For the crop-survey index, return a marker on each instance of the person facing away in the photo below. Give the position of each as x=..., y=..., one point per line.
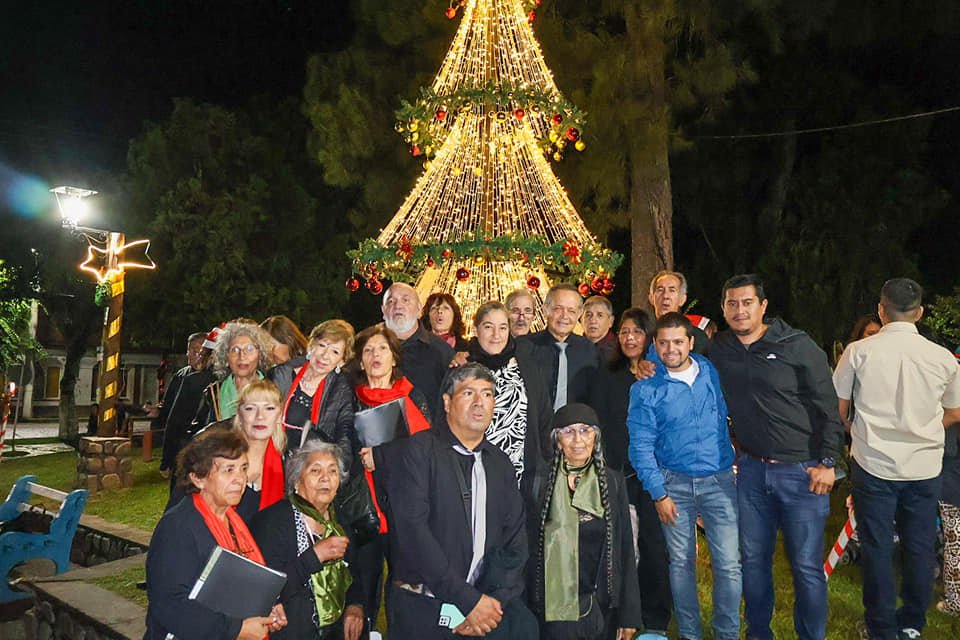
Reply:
x=680, y=447
x=782, y=406
x=459, y=544
x=906, y=390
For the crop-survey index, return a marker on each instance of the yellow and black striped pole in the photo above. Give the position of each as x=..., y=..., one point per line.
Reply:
x=109, y=380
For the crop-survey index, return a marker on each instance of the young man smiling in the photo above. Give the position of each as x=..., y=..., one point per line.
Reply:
x=680, y=447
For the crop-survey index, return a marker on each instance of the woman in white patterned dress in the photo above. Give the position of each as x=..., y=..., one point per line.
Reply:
x=522, y=414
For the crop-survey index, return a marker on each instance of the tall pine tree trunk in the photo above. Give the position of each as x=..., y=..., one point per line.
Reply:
x=651, y=202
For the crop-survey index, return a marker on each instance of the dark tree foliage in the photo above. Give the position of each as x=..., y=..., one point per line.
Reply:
x=237, y=229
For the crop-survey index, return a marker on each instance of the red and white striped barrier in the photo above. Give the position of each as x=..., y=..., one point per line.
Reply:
x=842, y=540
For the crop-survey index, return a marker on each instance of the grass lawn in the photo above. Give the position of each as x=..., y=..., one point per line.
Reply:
x=142, y=505
x=125, y=584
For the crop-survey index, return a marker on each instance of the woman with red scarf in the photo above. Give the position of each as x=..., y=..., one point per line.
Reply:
x=258, y=421
x=378, y=350
x=318, y=394
x=212, y=470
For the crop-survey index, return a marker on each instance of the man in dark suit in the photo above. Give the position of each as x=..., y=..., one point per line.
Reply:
x=459, y=544
x=570, y=361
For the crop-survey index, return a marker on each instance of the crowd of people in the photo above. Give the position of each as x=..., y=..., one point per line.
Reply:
x=550, y=484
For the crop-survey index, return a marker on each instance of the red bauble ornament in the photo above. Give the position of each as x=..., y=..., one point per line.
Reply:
x=518, y=113
x=607, y=286
x=533, y=282
x=463, y=274
x=596, y=284
x=352, y=284
x=462, y=3
x=451, y=13
x=441, y=114
x=446, y=253
x=573, y=134
x=531, y=16
x=375, y=287
x=557, y=119
x=584, y=289
x=430, y=263
x=537, y=2
x=415, y=150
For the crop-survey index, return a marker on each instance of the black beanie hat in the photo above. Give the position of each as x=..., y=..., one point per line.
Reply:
x=575, y=413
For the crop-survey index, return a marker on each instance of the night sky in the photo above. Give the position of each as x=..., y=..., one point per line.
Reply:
x=80, y=78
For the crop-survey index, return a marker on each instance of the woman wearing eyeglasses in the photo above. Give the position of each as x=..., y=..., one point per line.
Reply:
x=240, y=356
x=611, y=398
x=584, y=586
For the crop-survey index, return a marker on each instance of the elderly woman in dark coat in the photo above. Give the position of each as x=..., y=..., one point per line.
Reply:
x=301, y=536
x=585, y=587
x=212, y=470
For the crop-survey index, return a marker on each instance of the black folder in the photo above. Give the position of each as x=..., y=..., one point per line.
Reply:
x=236, y=586
x=380, y=424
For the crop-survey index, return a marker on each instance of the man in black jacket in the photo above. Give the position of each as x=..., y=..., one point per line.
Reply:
x=569, y=361
x=175, y=427
x=783, y=408
x=459, y=545
x=425, y=356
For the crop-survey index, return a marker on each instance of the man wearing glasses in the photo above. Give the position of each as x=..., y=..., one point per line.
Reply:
x=521, y=306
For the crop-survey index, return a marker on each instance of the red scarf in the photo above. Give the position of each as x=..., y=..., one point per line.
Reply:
x=416, y=422
x=314, y=402
x=271, y=479
x=240, y=542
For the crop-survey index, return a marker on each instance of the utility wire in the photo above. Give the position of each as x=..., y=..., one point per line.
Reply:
x=839, y=127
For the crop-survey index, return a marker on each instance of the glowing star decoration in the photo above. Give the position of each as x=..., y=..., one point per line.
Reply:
x=97, y=262
x=493, y=117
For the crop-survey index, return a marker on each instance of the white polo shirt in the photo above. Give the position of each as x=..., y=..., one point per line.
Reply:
x=899, y=383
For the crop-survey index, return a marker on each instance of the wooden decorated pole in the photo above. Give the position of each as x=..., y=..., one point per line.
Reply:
x=109, y=382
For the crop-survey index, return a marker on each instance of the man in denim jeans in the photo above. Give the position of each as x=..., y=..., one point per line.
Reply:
x=783, y=409
x=905, y=390
x=680, y=448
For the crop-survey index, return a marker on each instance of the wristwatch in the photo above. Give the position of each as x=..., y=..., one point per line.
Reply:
x=662, y=498
x=829, y=462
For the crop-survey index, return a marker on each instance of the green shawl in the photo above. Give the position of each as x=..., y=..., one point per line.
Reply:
x=561, y=542
x=330, y=584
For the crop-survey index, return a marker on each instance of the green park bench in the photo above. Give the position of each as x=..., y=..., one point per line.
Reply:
x=17, y=547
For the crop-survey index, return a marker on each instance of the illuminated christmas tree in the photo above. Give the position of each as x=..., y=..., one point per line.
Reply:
x=488, y=215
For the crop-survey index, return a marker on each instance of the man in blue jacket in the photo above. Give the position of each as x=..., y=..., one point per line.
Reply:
x=680, y=447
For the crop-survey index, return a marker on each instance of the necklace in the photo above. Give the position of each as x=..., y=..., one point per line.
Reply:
x=576, y=472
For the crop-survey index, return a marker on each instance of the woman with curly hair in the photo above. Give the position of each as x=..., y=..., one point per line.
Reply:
x=442, y=317
x=240, y=355
x=585, y=587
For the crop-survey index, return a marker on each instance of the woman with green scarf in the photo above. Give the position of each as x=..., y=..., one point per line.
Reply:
x=585, y=587
x=240, y=356
x=300, y=535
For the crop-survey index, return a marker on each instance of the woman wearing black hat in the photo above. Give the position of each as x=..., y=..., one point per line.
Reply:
x=585, y=587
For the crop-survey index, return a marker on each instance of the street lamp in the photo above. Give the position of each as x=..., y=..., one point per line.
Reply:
x=106, y=260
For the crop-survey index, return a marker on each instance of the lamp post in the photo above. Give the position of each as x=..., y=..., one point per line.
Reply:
x=105, y=261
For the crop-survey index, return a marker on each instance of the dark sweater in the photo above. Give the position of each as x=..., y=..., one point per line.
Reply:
x=780, y=394
x=275, y=531
x=335, y=422
x=179, y=549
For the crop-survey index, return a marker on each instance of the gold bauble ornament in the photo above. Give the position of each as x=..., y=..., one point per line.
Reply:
x=580, y=145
